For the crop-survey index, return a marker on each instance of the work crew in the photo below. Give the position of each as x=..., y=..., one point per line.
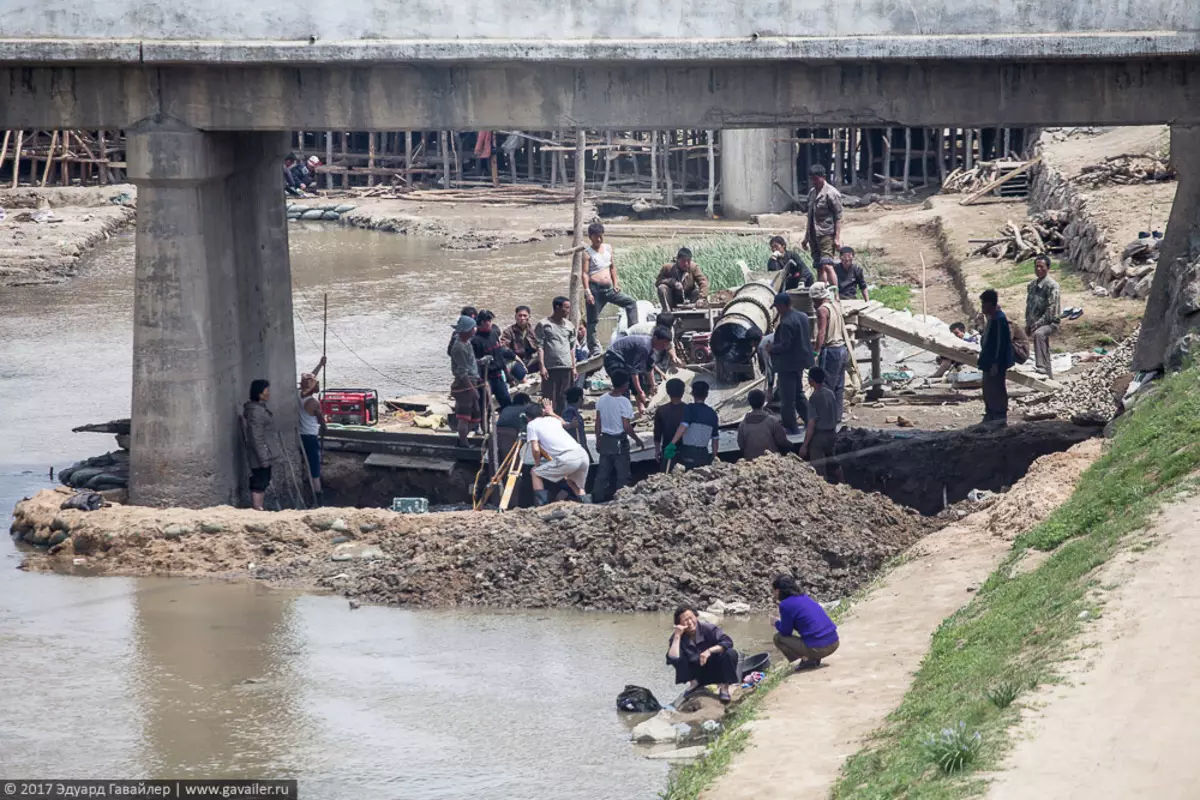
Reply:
x=566, y=460
x=663, y=359
x=635, y=356
x=681, y=281
x=996, y=356
x=1042, y=312
x=510, y=422
x=465, y=386
x=803, y=632
x=667, y=418
x=521, y=338
x=493, y=355
x=697, y=439
x=823, y=236
x=850, y=277
x=260, y=436
x=312, y=427
x=832, y=352
x=760, y=431
x=600, y=285
x=795, y=270
x=556, y=353
x=820, y=432
x=702, y=654
x=791, y=354
x=614, y=429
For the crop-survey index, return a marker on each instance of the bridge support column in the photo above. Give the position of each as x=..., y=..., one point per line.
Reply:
x=752, y=161
x=212, y=311
x=1171, y=324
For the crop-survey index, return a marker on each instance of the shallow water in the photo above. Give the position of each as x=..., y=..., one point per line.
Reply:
x=122, y=678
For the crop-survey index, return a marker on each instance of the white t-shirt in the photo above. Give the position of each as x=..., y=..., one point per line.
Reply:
x=551, y=436
x=612, y=410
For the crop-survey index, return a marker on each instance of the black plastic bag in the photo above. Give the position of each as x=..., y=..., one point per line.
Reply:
x=638, y=700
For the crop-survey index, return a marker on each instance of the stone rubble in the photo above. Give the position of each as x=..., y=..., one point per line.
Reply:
x=1090, y=398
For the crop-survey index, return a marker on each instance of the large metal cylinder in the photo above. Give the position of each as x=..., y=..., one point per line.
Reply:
x=743, y=323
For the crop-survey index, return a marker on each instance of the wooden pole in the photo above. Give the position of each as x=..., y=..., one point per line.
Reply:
x=927, y=137
x=941, y=156
x=654, y=163
x=444, y=151
x=64, y=167
x=49, y=158
x=1007, y=142
x=17, y=158
x=328, y=159
x=494, y=165
x=870, y=157
x=907, y=154
x=456, y=148
x=325, y=336
x=554, y=162
x=102, y=167
x=607, y=160
x=887, y=162
x=667, y=135
x=969, y=148
x=577, y=261
x=924, y=294
x=710, y=209
x=371, y=158
x=852, y=136
x=839, y=153
x=4, y=148
x=345, y=164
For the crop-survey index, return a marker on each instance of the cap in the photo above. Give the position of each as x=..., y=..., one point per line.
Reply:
x=314, y=160
x=463, y=325
x=783, y=299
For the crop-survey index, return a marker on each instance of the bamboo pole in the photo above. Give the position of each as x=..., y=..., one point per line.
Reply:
x=493, y=164
x=710, y=209
x=64, y=166
x=670, y=185
x=444, y=151
x=17, y=158
x=941, y=147
x=345, y=175
x=1007, y=142
x=456, y=147
x=4, y=148
x=924, y=294
x=907, y=154
x=870, y=157
x=654, y=163
x=887, y=162
x=839, y=153
x=530, y=160
x=969, y=148
x=608, y=159
x=577, y=261
x=852, y=136
x=102, y=167
x=554, y=163
x=49, y=158
x=927, y=135
x=371, y=158
x=328, y=160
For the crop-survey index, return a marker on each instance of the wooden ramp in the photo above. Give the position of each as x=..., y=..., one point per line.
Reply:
x=934, y=338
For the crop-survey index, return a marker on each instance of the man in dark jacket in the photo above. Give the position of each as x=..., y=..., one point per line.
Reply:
x=791, y=354
x=486, y=344
x=796, y=271
x=995, y=358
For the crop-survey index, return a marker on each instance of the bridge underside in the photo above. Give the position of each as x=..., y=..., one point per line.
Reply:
x=545, y=96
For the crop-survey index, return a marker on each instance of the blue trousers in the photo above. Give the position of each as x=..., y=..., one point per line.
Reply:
x=833, y=362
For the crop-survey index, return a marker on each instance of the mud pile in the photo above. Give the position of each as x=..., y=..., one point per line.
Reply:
x=1092, y=398
x=719, y=532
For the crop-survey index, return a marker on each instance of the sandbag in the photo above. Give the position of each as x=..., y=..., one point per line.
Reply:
x=106, y=480
x=637, y=700
x=83, y=501
x=312, y=213
x=344, y=207
x=80, y=477
x=332, y=216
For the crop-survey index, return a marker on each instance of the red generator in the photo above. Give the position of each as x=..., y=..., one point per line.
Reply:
x=350, y=406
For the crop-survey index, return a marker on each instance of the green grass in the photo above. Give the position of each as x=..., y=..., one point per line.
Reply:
x=717, y=256
x=1022, y=273
x=897, y=297
x=1017, y=628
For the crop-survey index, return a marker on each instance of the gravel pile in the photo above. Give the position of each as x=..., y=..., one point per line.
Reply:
x=715, y=533
x=1091, y=398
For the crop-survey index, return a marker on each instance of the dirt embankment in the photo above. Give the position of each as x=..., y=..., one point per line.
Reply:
x=466, y=225
x=719, y=532
x=45, y=232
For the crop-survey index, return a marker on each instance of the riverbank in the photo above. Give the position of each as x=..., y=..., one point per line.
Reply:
x=45, y=232
x=715, y=533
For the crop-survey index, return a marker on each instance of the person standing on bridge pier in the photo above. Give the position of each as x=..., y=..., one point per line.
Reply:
x=600, y=285
x=824, y=234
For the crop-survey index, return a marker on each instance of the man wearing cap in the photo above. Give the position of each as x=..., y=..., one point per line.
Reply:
x=850, y=277
x=309, y=181
x=824, y=234
x=681, y=281
x=791, y=354
x=832, y=353
x=465, y=388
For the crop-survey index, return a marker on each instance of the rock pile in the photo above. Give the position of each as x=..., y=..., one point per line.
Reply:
x=716, y=532
x=1092, y=398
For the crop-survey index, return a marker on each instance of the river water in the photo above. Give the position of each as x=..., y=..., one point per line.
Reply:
x=125, y=678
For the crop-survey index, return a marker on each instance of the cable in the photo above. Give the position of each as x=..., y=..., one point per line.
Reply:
x=402, y=384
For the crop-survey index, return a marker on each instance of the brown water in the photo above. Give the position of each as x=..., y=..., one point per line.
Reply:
x=152, y=678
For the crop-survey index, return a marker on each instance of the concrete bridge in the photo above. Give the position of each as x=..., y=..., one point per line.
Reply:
x=205, y=94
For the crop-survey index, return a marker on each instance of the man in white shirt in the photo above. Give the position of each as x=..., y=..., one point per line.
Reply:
x=566, y=460
x=614, y=427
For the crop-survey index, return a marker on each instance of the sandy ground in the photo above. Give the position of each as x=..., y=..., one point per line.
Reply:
x=834, y=709
x=1126, y=723
x=466, y=226
x=49, y=252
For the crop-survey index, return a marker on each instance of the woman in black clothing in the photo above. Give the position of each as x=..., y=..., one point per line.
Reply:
x=701, y=653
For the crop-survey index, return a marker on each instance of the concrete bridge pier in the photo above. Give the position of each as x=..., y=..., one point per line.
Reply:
x=752, y=161
x=1170, y=334
x=212, y=311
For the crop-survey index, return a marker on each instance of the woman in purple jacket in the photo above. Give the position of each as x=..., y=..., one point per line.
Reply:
x=702, y=654
x=816, y=636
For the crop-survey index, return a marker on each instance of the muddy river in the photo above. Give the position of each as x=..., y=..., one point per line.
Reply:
x=123, y=678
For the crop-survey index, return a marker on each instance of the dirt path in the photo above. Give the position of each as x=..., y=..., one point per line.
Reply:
x=1127, y=725
x=815, y=721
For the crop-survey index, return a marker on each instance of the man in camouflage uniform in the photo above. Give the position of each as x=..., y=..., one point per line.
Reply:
x=824, y=234
x=1042, y=312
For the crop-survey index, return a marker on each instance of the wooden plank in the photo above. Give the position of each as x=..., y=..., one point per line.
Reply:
x=394, y=461
x=966, y=201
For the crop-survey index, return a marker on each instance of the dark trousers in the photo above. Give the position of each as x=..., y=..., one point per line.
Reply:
x=499, y=386
x=603, y=295
x=820, y=450
x=720, y=668
x=793, y=405
x=794, y=649
x=612, y=470
x=833, y=362
x=691, y=456
x=995, y=397
x=555, y=387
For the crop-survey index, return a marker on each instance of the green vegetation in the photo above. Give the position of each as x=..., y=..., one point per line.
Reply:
x=718, y=257
x=897, y=297
x=953, y=749
x=1019, y=626
x=1004, y=694
x=1022, y=273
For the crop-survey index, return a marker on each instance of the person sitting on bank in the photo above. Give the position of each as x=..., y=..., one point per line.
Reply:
x=600, y=285
x=312, y=427
x=803, y=632
x=667, y=418
x=556, y=353
x=614, y=429
x=944, y=365
x=820, y=432
x=681, y=281
x=465, y=385
x=796, y=272
x=291, y=183
x=761, y=431
x=521, y=338
x=697, y=439
x=702, y=654
x=510, y=422
x=850, y=277
x=634, y=355
x=566, y=460
x=260, y=438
